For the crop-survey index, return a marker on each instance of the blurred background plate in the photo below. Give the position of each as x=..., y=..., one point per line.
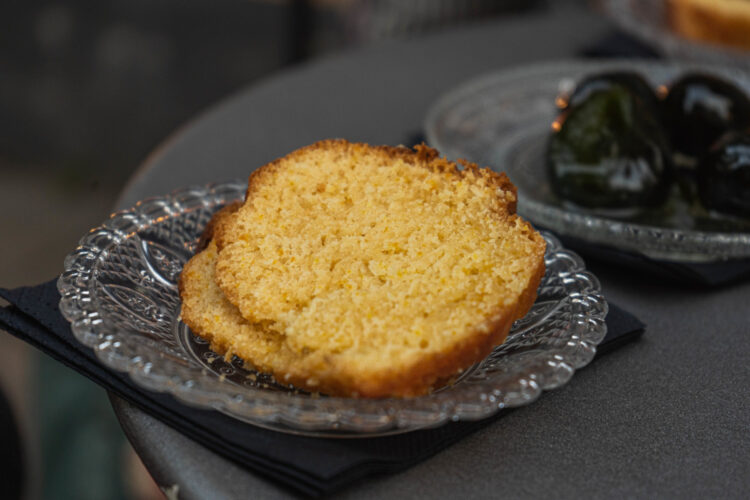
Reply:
x=503, y=120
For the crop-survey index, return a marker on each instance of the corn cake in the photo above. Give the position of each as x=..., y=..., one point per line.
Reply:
x=365, y=271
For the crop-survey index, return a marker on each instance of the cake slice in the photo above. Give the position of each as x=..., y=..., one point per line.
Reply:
x=211, y=316
x=371, y=271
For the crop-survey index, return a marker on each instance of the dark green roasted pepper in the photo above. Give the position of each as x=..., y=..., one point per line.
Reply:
x=699, y=109
x=724, y=175
x=609, y=151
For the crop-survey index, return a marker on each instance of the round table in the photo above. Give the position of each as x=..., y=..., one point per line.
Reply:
x=666, y=416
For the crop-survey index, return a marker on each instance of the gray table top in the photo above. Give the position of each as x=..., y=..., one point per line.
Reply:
x=663, y=417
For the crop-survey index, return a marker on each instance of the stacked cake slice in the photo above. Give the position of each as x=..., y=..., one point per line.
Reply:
x=363, y=271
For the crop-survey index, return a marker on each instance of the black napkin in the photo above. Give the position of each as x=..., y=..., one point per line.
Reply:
x=312, y=466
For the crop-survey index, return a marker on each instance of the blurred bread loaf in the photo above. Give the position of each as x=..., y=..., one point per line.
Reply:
x=723, y=22
x=365, y=271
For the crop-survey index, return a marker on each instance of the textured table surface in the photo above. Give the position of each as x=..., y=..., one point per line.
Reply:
x=667, y=416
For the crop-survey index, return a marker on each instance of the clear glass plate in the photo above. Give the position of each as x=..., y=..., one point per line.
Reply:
x=119, y=291
x=503, y=120
x=649, y=21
